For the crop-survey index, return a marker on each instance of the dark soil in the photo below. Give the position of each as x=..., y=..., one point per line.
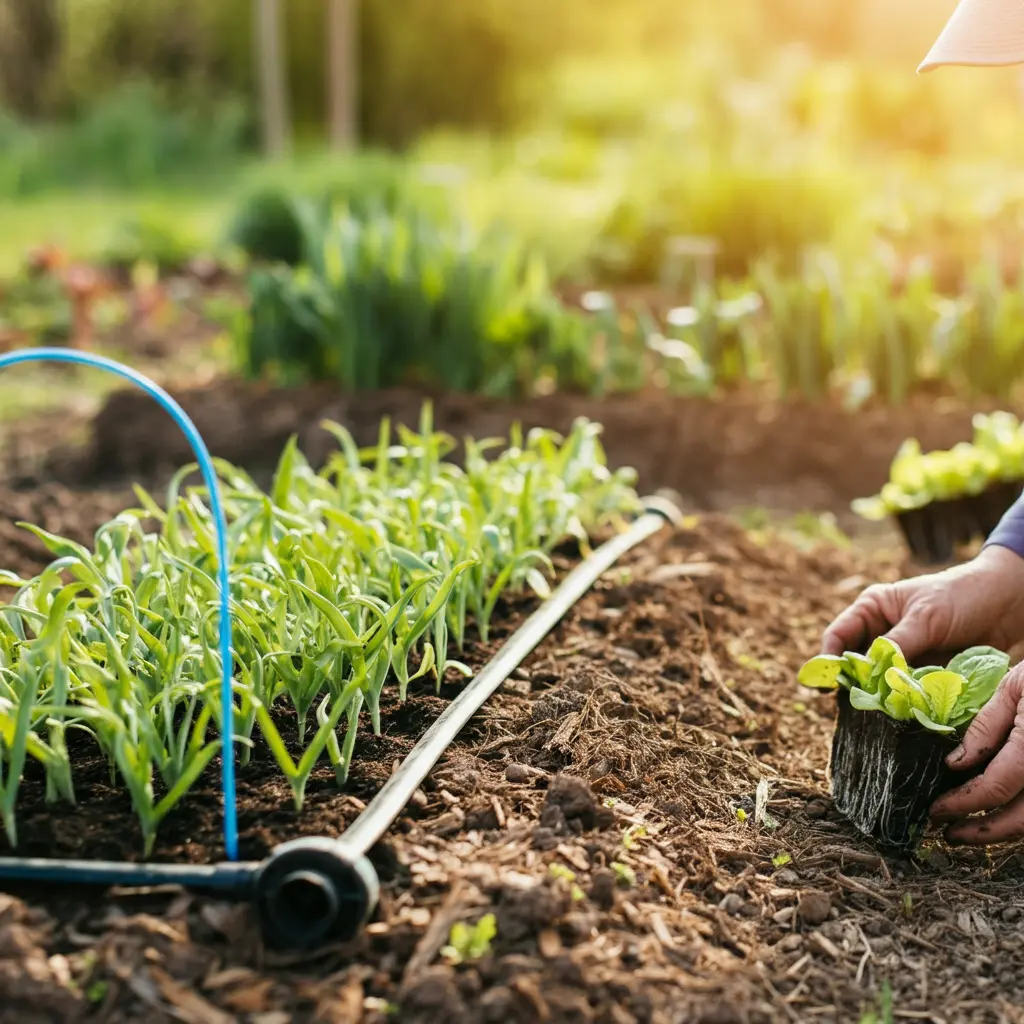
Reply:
x=592, y=808
x=738, y=451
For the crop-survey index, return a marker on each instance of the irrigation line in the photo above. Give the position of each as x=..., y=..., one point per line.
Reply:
x=385, y=807
x=202, y=454
x=310, y=890
x=316, y=890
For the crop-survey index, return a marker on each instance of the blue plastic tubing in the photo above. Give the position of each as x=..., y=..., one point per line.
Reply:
x=180, y=417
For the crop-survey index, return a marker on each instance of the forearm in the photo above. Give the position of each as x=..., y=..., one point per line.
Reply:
x=1010, y=531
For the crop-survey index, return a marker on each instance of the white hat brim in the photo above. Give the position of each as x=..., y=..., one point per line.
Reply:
x=981, y=33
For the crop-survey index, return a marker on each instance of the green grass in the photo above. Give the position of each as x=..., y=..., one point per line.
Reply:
x=83, y=224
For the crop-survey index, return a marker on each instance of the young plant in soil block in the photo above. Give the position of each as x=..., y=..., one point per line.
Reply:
x=895, y=728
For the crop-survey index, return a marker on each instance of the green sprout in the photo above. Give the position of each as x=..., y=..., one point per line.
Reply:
x=467, y=943
x=632, y=835
x=918, y=478
x=367, y=573
x=624, y=874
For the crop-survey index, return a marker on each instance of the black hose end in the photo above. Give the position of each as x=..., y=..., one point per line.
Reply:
x=311, y=892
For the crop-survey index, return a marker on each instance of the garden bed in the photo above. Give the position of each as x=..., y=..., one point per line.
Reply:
x=734, y=452
x=667, y=695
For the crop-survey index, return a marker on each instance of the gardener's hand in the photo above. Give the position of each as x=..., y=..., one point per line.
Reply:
x=998, y=730
x=981, y=602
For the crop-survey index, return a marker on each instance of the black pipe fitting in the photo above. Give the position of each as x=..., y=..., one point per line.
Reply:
x=314, y=891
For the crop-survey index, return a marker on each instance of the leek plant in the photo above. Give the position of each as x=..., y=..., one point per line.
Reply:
x=369, y=571
x=393, y=299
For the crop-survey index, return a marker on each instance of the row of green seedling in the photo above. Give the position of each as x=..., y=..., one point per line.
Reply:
x=382, y=298
x=372, y=570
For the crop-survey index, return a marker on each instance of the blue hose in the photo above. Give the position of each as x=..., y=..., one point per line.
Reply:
x=180, y=417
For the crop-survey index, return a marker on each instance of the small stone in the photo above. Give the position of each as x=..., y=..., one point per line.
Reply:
x=549, y=944
x=786, y=877
x=813, y=907
x=579, y=925
x=518, y=774
x=878, y=926
x=791, y=943
x=1011, y=914
x=784, y=916
x=602, y=889
x=732, y=904
x=544, y=838
x=517, y=687
x=483, y=819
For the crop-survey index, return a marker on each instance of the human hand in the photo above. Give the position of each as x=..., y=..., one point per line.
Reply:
x=997, y=730
x=981, y=602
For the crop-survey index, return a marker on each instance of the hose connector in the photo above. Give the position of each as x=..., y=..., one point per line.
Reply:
x=314, y=891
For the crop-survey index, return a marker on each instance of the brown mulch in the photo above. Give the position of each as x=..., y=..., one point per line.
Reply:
x=592, y=808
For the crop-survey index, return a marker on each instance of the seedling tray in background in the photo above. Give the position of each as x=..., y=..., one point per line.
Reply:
x=935, y=531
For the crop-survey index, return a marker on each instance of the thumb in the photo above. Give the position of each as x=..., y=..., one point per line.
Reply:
x=992, y=724
x=912, y=634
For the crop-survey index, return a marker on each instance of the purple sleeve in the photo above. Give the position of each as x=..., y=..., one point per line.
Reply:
x=1010, y=531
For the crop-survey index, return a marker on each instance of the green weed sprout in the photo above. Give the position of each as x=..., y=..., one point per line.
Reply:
x=467, y=943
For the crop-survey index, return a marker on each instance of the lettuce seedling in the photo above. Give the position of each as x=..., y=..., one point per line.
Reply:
x=917, y=478
x=942, y=700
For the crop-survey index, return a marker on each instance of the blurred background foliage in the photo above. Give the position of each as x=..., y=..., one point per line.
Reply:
x=787, y=145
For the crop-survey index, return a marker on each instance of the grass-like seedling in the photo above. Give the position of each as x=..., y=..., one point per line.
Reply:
x=342, y=580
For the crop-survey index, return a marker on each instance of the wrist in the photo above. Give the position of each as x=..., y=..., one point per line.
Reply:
x=1002, y=572
x=1004, y=561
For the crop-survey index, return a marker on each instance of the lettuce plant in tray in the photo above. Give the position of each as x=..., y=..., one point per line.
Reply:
x=942, y=499
x=895, y=728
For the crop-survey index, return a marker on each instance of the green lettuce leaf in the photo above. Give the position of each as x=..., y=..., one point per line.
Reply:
x=901, y=682
x=983, y=669
x=897, y=705
x=942, y=690
x=858, y=668
x=823, y=672
x=929, y=723
x=864, y=701
x=885, y=655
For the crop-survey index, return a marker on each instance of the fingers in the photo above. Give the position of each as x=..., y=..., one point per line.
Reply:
x=999, y=827
x=1001, y=783
x=871, y=615
x=912, y=635
x=992, y=724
